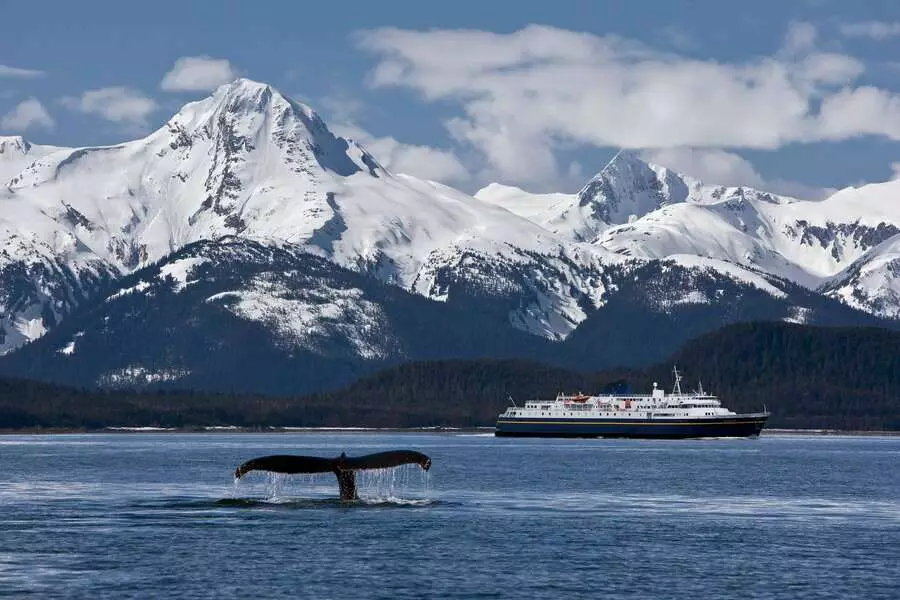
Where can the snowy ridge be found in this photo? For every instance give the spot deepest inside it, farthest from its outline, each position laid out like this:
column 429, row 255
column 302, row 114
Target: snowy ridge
column 519, row 202
column 250, row 163
column 16, row 153
column 637, row 209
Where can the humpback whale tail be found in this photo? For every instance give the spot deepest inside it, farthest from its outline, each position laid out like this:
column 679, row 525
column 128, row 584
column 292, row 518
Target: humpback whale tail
column 344, row 467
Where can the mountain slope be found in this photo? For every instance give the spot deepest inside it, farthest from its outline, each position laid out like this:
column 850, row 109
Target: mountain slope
column 16, row 153
column 245, row 223
column 237, row 315
column 248, row 161
column 843, row 246
column 809, row 377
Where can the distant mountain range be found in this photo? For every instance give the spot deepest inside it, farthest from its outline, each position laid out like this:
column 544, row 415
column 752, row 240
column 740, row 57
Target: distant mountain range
column 244, row 247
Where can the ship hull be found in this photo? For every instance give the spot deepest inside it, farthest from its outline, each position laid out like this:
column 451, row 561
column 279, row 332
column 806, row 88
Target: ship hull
column 732, row 426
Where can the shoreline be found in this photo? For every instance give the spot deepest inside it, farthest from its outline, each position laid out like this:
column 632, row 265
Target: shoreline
column 216, row 429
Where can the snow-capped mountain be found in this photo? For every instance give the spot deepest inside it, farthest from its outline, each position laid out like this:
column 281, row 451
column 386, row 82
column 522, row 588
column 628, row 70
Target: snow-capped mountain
column 625, row 190
column 239, row 315
column 248, row 161
column 844, row 245
column 42, row 277
column 16, row 153
column 244, row 213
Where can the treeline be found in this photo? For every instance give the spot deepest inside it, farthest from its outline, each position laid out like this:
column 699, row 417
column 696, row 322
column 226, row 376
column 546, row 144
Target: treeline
column 809, row 377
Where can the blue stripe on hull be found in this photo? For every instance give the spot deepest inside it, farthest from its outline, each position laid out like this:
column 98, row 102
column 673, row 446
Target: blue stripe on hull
column 732, row 427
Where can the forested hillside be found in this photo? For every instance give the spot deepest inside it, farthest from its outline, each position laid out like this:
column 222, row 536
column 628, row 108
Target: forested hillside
column 809, row 377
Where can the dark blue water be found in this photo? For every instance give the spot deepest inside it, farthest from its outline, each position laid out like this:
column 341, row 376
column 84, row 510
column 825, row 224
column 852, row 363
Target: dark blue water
column 113, row 516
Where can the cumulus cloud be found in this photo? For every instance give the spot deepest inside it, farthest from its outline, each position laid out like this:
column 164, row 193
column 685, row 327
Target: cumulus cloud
column 198, row 74
column 524, row 95
column 854, row 112
column 713, row 166
column 6, row 71
column 895, row 171
column 27, row 115
column 719, row 167
column 876, row 30
column 117, row 104
column 425, row 162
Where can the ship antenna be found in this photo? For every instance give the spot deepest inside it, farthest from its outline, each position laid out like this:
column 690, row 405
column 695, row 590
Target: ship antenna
column 510, row 398
column 700, row 383
column 677, row 390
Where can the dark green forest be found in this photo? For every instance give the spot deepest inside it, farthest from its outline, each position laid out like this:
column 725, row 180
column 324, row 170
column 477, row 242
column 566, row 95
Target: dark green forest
column 809, row 377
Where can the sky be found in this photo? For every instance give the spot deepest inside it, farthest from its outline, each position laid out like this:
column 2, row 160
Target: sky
column 799, row 97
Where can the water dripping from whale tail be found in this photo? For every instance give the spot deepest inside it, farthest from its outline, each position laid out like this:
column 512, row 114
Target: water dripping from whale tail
column 395, row 485
column 343, row 467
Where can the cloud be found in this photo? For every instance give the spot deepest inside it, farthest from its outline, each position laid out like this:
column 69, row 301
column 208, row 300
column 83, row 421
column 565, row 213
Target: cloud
column 27, row 115
column 895, row 171
column 522, row 96
column 797, row 189
column 6, row 71
column 425, row 162
column 876, row 30
column 198, row 74
column 854, row 112
column 341, row 108
column 800, row 37
column 713, row 166
column 117, row 104
column 719, row 167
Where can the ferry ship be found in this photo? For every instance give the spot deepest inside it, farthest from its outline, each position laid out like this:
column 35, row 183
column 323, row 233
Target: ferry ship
column 657, row 415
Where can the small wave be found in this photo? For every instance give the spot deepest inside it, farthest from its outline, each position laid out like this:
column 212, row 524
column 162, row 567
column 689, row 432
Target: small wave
column 296, row 503
column 726, row 506
column 139, row 429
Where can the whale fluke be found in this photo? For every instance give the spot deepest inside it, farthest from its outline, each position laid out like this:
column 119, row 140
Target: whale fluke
column 286, row 463
column 344, row 467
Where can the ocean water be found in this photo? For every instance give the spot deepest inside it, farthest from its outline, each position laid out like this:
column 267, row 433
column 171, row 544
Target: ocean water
column 160, row 516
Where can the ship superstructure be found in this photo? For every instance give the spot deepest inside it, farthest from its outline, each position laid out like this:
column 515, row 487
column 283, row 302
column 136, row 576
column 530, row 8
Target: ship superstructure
column 654, row 415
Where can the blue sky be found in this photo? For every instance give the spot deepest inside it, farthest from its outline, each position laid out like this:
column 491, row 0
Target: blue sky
column 797, row 96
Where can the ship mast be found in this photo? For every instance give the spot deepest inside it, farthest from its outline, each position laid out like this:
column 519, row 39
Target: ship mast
column 677, row 390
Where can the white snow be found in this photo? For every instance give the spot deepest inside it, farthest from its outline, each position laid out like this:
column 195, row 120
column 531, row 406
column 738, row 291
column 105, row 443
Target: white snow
column 69, row 348
column 25, row 326
column 140, row 286
column 520, row 202
column 179, row 270
column 733, row 271
column 873, row 282
column 16, row 153
column 248, row 161
column 799, row 314
column 140, row 375
column 309, row 318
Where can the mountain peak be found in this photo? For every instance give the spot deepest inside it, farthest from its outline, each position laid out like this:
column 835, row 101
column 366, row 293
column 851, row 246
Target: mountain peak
column 629, row 187
column 245, row 94
column 14, row 144
column 625, row 159
column 245, row 99
column 245, row 86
